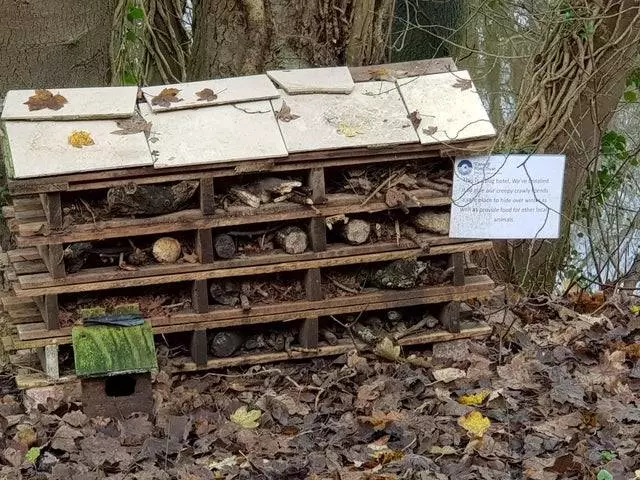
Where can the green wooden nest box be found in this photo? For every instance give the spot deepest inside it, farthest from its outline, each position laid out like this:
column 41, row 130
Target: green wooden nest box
column 107, row 350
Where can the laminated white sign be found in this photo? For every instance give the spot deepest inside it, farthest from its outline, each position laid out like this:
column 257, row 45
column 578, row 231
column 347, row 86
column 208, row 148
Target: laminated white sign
column 507, row 196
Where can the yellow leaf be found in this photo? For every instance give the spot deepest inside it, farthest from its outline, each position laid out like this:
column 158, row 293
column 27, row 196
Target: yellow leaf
column 635, row 309
column 348, row 130
column 446, row 450
column 246, row 418
column 387, row 349
column 380, row 420
column 474, row 399
column 475, row 423
column 80, row 138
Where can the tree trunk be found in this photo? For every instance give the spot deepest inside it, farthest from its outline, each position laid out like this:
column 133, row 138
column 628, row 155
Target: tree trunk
column 572, row 87
column 54, row 43
column 232, row 38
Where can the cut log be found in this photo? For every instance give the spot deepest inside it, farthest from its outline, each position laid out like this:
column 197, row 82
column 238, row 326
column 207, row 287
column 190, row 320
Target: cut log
column 225, row 343
column 167, row 250
column 329, row 336
column 355, row 232
column 432, row 222
column 292, row 240
column 224, row 246
column 224, row 296
column 426, row 183
column 400, row 274
column 135, row 199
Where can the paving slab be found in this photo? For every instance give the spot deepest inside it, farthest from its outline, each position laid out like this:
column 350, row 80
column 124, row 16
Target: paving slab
column 313, row 80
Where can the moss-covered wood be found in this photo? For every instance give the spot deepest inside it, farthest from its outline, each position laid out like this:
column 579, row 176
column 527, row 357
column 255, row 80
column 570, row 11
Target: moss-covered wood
column 106, row 350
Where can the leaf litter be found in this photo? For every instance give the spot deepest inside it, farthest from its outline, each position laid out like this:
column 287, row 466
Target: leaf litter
column 522, row 409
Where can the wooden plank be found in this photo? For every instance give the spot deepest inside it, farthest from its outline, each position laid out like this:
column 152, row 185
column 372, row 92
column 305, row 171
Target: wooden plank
column 457, row 262
column 308, row 336
column 53, row 258
column 329, row 350
column 32, row 336
column 33, row 234
column 200, row 296
column 207, row 199
column 8, row 211
column 299, row 161
column 318, row 234
column 204, row 245
column 52, row 207
column 24, row 255
column 29, row 268
column 199, row 347
column 48, row 306
column 412, row 68
column 35, row 380
column 440, row 245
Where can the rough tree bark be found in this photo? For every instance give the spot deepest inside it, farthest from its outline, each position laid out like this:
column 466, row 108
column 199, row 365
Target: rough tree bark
column 54, row 43
column 572, row 87
column 243, row 37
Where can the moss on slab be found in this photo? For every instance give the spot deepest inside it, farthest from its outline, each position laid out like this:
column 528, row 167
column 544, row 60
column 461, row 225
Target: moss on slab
column 92, row 312
column 106, row 350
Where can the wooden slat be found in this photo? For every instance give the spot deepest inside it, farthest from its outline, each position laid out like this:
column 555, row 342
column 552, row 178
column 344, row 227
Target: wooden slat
column 299, row 161
column 33, row 234
column 116, row 280
column 199, row 347
column 204, row 245
column 52, row 207
column 207, row 200
column 200, row 296
column 470, row 331
column 32, row 336
column 24, row 255
column 404, row 69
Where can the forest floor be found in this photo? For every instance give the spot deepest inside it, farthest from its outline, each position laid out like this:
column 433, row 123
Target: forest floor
column 554, row 394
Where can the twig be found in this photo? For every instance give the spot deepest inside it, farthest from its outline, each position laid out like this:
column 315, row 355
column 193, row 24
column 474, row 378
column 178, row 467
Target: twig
column 86, row 204
column 341, row 286
column 378, row 188
column 412, row 329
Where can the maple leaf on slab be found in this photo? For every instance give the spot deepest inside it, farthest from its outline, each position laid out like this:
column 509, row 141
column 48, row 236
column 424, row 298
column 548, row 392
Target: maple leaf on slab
column 45, row 99
column 80, row 138
column 166, row 97
column 206, row 95
column 463, row 84
column 415, row 118
column 284, row 114
column 133, row 125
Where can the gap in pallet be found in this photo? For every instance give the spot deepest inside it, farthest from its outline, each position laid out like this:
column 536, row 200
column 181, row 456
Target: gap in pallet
column 396, row 275
column 153, row 301
column 266, row 289
column 128, row 201
column 137, row 252
column 261, row 188
column 405, row 176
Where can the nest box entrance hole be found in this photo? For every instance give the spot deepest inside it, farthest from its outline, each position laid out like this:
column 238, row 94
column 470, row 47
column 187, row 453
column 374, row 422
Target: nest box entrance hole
column 120, row 386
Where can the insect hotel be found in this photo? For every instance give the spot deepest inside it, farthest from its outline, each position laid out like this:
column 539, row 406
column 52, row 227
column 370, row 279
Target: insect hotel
column 244, row 220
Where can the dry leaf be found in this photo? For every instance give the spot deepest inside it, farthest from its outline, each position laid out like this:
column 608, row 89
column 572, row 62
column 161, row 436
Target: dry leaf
column 447, row 375
column 284, row 114
column 415, row 118
column 206, row 95
column 133, row 125
column 246, row 418
column 45, row 99
column 475, row 423
column 446, row 450
column 431, row 130
column 348, row 130
column 386, row 75
column 380, row 420
column 475, row 398
column 166, row 97
column 80, row 138
column 463, row 84
column 387, row 349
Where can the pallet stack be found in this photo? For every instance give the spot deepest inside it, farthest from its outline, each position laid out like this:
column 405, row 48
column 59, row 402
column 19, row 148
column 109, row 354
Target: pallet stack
column 39, row 217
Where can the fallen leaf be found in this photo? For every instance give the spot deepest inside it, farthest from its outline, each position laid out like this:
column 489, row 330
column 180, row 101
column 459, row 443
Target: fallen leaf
column 65, row 439
column 415, row 118
column 380, row 420
column 463, row 84
column 604, row 475
column 246, row 418
column 166, row 97
column 228, row 462
column 284, row 114
column 45, row 99
column 206, row 95
column 348, row 130
column 80, row 138
column 474, row 399
column 431, row 130
column 133, row 125
column 32, row 455
column 385, row 348
column 446, row 450
column 475, row 423
column 447, row 375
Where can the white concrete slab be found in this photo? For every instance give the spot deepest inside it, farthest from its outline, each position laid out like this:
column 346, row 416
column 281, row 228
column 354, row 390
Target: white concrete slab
column 449, row 105
column 81, row 104
column 373, row 114
column 39, row 149
column 313, row 80
column 223, row 133
column 226, row 90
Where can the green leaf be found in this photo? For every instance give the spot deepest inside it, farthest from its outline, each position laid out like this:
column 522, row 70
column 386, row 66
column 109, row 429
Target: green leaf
column 604, row 475
column 32, row 455
column 135, row 13
column 129, row 79
column 131, row 36
column 630, row 96
column 607, row 456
